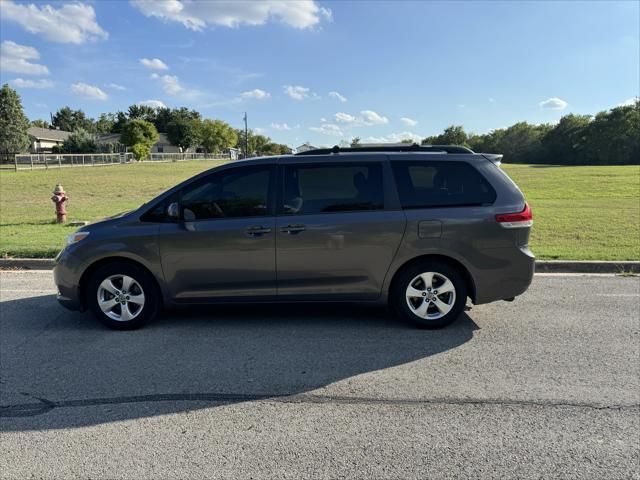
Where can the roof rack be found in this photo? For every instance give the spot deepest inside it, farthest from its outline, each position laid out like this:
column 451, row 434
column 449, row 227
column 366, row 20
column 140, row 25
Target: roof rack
column 404, row 147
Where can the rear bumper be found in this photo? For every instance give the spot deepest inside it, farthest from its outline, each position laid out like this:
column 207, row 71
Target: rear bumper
column 67, row 280
column 511, row 278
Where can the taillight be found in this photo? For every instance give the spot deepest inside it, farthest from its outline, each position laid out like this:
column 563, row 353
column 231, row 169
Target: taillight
column 518, row 219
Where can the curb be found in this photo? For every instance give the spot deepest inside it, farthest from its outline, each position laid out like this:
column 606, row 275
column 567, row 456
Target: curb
column 587, row 266
column 542, row 266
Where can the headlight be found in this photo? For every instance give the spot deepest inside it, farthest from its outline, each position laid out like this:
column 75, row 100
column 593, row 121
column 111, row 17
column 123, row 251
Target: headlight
column 76, row 237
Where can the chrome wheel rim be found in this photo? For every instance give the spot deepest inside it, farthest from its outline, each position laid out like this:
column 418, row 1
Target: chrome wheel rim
column 430, row 295
column 120, row 298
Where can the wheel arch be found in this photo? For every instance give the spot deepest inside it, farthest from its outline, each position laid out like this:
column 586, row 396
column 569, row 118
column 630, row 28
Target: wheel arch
column 90, row 270
column 471, row 286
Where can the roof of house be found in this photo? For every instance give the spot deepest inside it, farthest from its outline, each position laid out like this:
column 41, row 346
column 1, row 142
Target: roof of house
column 48, row 134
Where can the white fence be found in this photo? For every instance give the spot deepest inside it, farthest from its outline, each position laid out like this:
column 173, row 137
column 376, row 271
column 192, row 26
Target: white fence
column 57, row 160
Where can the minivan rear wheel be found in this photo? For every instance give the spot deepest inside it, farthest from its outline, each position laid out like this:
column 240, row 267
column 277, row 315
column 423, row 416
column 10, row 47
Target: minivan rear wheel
column 429, row 294
column 123, row 296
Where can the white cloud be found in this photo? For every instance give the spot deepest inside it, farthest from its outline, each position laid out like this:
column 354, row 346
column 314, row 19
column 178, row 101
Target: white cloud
column 409, row 122
column 296, row 92
column 115, row 86
column 342, row 117
column 21, row 83
column 256, row 93
column 152, row 103
column 90, row 92
column 366, row 118
column 628, row 102
column 553, row 103
column 71, row 23
column 280, row 126
column 260, row 130
column 328, row 129
column 170, row 83
column 373, row 118
column 337, row 96
column 394, row 138
column 154, row 63
column 197, row 15
column 16, row 58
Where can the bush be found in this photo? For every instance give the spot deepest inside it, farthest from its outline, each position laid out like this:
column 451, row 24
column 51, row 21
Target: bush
column 141, row 151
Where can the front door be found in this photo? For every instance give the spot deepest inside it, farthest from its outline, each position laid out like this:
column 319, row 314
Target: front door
column 224, row 244
column 334, row 237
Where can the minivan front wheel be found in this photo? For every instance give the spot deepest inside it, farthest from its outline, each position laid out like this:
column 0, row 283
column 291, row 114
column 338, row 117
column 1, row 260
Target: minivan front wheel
column 430, row 294
column 122, row 296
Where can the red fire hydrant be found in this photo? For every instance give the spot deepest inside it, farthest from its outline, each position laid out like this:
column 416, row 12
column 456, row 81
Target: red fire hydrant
column 60, row 198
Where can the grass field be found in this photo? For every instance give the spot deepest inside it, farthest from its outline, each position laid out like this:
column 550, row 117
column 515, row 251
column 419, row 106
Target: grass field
column 581, row 213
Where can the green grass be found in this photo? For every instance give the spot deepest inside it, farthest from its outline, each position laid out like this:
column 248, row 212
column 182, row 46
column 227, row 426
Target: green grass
column 581, row 213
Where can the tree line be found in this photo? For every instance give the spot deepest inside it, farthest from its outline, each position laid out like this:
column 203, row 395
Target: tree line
column 611, row 137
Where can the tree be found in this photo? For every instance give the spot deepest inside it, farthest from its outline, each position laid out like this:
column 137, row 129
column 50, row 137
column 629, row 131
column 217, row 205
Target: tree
column 452, row 135
column 216, row 135
column 40, row 123
column 104, row 124
column 355, row 142
column 80, row 141
column 138, row 132
column 71, row 120
column 13, row 123
column 143, row 112
column 141, row 151
column 164, row 116
column 184, row 133
column 566, row 143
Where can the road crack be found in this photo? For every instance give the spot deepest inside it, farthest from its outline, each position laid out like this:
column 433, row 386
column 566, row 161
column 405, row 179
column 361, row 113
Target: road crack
column 44, row 405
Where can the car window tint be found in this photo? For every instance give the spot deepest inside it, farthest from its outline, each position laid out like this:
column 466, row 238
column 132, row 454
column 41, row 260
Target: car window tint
column 230, row 194
column 310, row 189
column 441, row 184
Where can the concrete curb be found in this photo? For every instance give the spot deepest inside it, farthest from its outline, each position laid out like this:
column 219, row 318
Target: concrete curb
column 542, row 266
column 586, row 266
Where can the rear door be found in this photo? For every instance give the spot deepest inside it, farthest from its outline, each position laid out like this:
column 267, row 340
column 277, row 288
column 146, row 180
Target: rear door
column 338, row 228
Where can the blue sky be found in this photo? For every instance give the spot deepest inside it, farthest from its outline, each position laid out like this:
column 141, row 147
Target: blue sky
column 396, row 69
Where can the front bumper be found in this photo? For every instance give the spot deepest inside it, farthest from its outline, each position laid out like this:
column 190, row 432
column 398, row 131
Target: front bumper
column 67, row 280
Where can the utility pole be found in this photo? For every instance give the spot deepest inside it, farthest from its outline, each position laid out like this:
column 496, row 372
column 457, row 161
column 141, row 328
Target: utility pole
column 246, row 137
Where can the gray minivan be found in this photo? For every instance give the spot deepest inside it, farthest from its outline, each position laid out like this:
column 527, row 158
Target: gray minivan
column 420, row 227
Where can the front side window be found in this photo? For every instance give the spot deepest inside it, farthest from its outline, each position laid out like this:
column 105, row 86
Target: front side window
column 240, row 192
column 441, row 184
column 312, row 189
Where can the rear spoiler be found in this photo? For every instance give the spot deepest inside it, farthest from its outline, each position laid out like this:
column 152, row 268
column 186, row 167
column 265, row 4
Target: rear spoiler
column 496, row 158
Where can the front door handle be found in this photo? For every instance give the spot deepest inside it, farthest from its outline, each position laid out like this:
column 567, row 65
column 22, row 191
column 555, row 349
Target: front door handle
column 257, row 230
column 293, row 229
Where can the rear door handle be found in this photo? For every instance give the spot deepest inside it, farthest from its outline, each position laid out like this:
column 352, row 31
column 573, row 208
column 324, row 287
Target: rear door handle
column 293, row 229
column 257, row 230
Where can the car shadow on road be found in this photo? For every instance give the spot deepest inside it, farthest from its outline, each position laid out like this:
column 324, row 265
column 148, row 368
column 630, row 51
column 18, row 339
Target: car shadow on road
column 62, row 369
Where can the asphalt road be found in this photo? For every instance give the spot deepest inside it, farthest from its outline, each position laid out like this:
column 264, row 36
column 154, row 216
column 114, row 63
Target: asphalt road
column 545, row 387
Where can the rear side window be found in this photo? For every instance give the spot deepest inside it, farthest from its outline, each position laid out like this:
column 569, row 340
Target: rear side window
column 441, row 184
column 311, row 189
column 239, row 192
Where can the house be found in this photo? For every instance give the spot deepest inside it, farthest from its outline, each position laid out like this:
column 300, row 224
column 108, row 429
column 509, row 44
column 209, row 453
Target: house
column 163, row 145
column 305, row 147
column 44, row 139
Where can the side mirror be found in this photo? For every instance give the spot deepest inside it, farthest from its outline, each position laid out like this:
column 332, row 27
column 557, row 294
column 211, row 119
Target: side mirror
column 173, row 211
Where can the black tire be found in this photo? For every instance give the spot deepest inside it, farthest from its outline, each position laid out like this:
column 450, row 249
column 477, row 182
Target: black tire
column 400, row 303
column 144, row 284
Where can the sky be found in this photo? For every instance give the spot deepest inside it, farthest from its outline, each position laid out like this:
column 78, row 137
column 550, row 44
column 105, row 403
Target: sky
column 326, row 71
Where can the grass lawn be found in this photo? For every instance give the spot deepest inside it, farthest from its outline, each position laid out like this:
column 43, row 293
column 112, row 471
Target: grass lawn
column 581, row 213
